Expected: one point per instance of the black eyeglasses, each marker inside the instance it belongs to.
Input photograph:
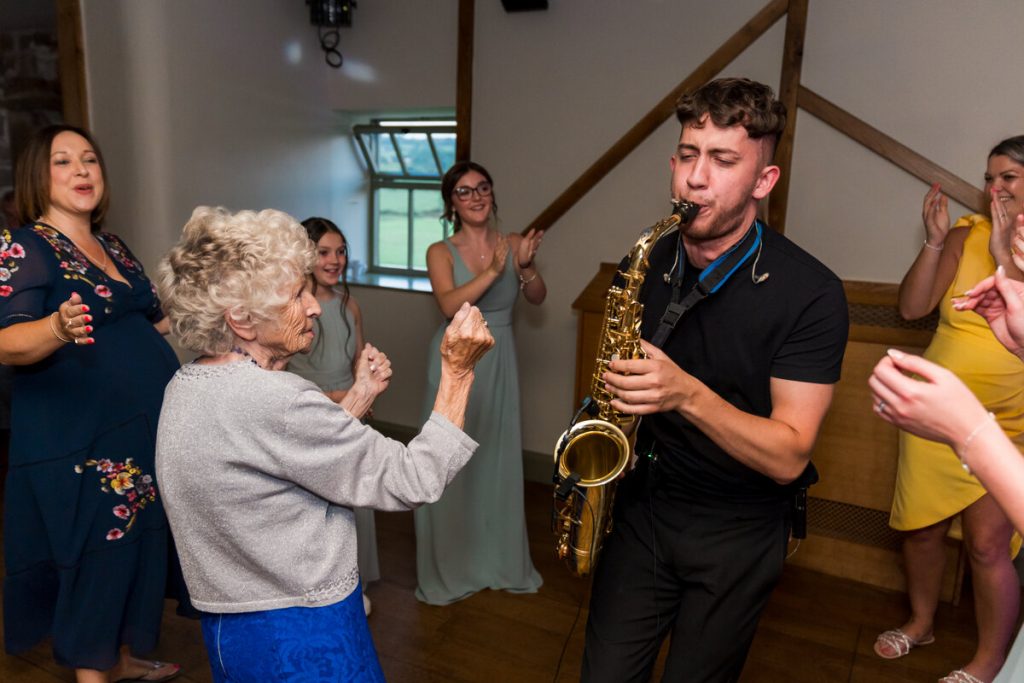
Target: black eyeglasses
(482, 190)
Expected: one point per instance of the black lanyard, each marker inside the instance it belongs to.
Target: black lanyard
(708, 282)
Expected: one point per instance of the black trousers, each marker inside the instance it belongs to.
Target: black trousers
(701, 573)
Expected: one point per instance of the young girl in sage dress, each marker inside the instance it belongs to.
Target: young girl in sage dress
(336, 347)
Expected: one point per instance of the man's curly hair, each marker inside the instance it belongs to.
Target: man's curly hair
(736, 102)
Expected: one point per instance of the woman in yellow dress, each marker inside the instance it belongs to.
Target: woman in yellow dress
(931, 486)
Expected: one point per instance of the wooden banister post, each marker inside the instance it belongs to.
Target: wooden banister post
(789, 86)
(464, 81)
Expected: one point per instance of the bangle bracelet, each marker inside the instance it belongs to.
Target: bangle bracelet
(53, 328)
(938, 248)
(523, 282)
(970, 437)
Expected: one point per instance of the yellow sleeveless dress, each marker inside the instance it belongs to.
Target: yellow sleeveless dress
(930, 483)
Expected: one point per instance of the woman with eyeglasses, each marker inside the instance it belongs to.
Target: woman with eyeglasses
(331, 360)
(475, 536)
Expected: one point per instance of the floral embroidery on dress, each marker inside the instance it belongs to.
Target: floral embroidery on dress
(124, 479)
(117, 249)
(72, 261)
(10, 252)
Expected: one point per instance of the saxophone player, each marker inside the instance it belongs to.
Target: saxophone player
(733, 391)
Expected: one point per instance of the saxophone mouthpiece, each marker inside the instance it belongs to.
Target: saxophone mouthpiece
(686, 211)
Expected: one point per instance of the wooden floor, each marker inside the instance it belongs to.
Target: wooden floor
(816, 628)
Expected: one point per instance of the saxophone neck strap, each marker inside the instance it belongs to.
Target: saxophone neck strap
(708, 282)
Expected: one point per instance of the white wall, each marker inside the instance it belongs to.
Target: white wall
(218, 103)
(934, 75)
(195, 102)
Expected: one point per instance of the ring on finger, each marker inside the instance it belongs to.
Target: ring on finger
(880, 407)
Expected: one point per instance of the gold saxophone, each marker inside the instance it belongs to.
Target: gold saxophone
(591, 454)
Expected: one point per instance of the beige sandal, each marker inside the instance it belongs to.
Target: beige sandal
(901, 644)
(960, 676)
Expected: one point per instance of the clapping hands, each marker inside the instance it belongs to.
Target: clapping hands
(500, 254)
(528, 247)
(935, 214)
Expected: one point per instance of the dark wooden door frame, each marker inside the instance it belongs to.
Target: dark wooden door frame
(71, 63)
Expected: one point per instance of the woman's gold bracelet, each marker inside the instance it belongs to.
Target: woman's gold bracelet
(53, 328)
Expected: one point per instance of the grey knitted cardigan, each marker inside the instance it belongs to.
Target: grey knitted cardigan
(259, 472)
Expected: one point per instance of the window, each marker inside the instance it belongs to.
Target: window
(406, 160)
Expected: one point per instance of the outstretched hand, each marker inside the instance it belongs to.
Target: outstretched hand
(73, 320)
(938, 406)
(1000, 300)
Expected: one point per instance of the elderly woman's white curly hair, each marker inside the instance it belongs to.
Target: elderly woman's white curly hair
(243, 265)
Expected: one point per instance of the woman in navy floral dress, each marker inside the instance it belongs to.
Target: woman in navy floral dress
(85, 535)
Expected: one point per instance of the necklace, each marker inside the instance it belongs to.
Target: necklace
(106, 260)
(242, 352)
(482, 252)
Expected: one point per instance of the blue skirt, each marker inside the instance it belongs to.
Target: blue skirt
(297, 644)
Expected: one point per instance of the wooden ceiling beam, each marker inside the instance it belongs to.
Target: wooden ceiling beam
(892, 150)
(719, 59)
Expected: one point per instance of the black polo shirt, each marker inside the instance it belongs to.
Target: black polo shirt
(792, 326)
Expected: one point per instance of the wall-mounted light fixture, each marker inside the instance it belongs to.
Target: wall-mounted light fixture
(328, 16)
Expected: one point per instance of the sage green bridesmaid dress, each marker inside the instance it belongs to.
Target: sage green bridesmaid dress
(474, 537)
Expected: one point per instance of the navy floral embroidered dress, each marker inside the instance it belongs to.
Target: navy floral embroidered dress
(85, 535)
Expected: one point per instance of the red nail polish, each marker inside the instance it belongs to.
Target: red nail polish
(88, 329)
(85, 309)
(91, 341)
(88, 318)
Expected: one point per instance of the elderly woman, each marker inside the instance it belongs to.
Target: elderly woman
(260, 469)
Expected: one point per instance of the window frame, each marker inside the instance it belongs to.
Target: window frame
(403, 180)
